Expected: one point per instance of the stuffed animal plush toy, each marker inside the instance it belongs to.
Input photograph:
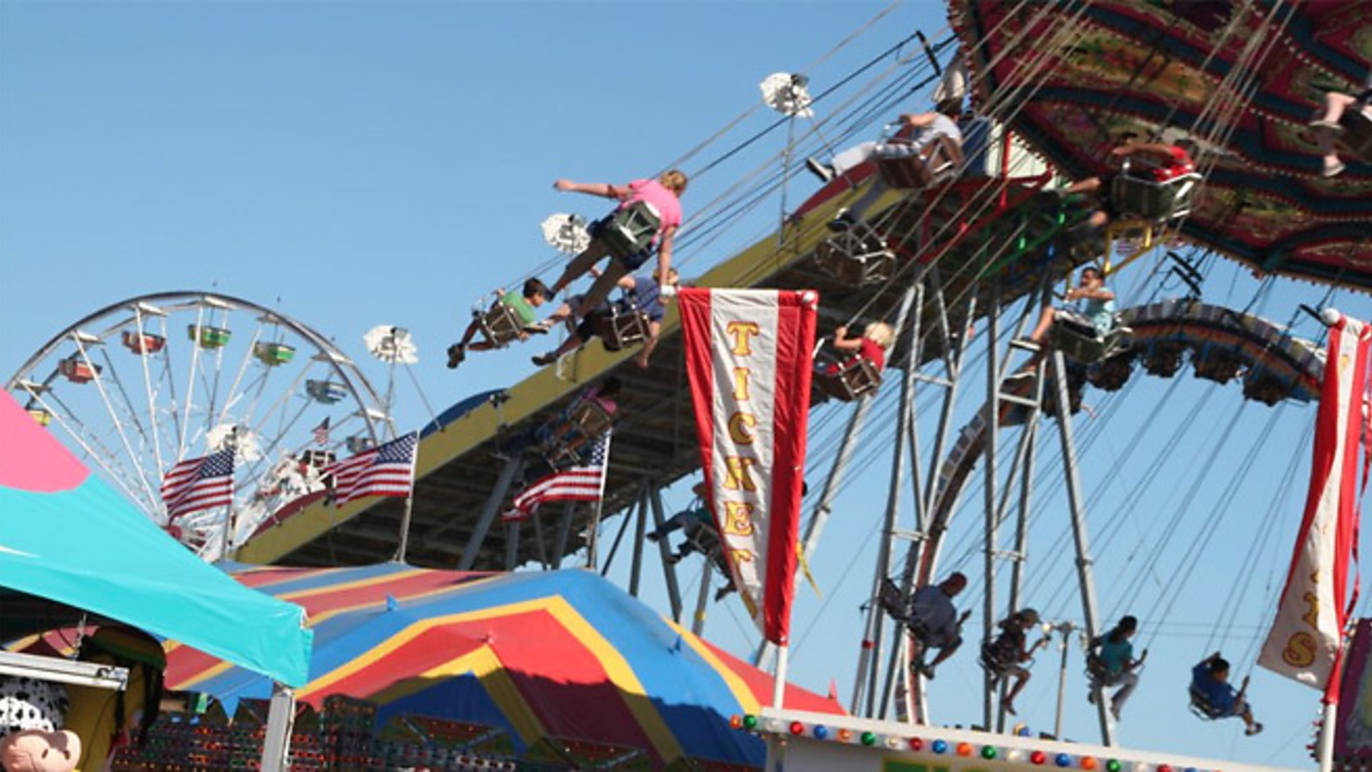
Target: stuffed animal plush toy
(31, 714)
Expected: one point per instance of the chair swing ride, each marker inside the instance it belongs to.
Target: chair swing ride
(961, 248)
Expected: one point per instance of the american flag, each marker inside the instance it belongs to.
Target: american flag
(321, 432)
(385, 470)
(199, 483)
(585, 482)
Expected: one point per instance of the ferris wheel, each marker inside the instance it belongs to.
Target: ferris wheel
(143, 384)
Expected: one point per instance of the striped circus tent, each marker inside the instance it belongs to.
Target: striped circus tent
(540, 654)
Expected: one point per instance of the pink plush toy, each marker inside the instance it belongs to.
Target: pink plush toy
(31, 712)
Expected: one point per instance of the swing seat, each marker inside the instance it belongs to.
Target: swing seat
(623, 326)
(1201, 706)
(1146, 199)
(1267, 389)
(935, 162)
(590, 418)
(993, 661)
(1081, 243)
(586, 419)
(1083, 343)
(893, 601)
(506, 319)
(630, 230)
(854, 379)
(1218, 365)
(1112, 373)
(1097, 671)
(1357, 134)
(1164, 359)
(856, 257)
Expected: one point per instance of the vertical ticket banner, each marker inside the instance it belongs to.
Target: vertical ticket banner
(1307, 635)
(749, 361)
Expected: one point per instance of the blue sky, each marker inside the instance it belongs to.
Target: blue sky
(367, 163)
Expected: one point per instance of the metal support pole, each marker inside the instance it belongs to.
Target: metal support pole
(916, 354)
(820, 515)
(1326, 746)
(907, 421)
(988, 621)
(405, 525)
(564, 529)
(1025, 497)
(703, 597)
(1066, 629)
(640, 530)
(870, 654)
(511, 544)
(488, 512)
(1075, 502)
(665, 551)
(276, 745)
(614, 547)
(953, 363)
(541, 550)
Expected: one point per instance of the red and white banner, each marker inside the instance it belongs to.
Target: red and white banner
(1305, 639)
(748, 359)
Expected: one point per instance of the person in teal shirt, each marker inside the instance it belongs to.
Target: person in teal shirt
(1114, 664)
(1093, 305)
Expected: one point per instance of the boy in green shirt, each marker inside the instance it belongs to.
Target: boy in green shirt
(522, 305)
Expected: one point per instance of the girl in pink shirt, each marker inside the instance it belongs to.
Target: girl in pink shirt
(663, 194)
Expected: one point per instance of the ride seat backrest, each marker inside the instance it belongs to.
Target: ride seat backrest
(856, 257)
(621, 327)
(1083, 342)
(501, 323)
(1148, 199)
(893, 600)
(855, 378)
(1201, 706)
(631, 229)
(993, 659)
(1357, 133)
(589, 418)
(939, 159)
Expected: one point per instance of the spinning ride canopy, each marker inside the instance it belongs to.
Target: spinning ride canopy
(562, 653)
(1077, 76)
(67, 536)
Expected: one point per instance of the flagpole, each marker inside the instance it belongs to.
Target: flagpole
(409, 507)
(228, 529)
(599, 505)
(1326, 749)
(779, 676)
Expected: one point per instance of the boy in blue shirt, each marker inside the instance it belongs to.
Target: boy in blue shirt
(1210, 682)
(644, 295)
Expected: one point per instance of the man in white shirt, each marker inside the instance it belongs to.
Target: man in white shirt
(927, 127)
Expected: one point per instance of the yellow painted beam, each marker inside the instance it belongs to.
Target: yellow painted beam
(750, 267)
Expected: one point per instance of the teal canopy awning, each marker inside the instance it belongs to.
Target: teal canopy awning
(65, 535)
